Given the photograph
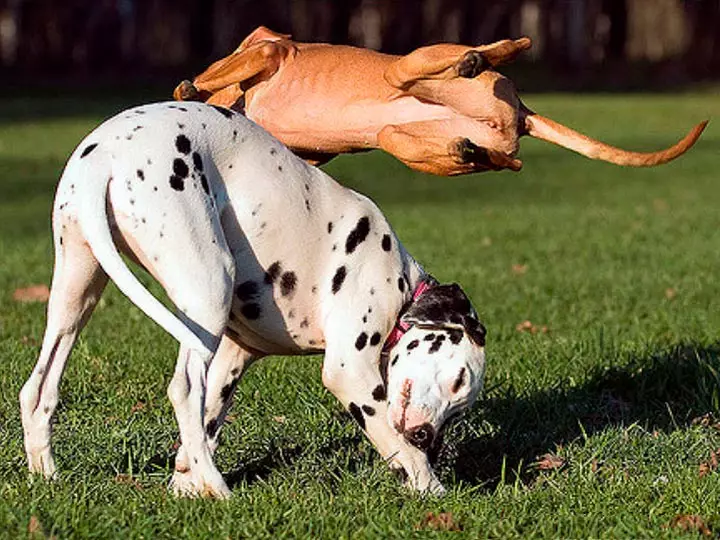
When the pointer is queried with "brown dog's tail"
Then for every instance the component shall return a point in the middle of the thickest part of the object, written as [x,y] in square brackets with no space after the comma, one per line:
[548,130]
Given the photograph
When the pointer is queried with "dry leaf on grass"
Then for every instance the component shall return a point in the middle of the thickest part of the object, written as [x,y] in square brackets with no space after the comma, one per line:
[33,293]
[444,521]
[519,269]
[486,241]
[528,326]
[279,419]
[28,340]
[706,420]
[35,527]
[128,480]
[139,406]
[550,462]
[710,465]
[660,205]
[670,293]
[691,522]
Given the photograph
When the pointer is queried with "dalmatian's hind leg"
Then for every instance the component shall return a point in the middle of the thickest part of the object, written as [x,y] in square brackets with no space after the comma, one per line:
[226,369]
[78,282]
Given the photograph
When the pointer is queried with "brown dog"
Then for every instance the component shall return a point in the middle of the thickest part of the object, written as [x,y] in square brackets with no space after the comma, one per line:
[441,109]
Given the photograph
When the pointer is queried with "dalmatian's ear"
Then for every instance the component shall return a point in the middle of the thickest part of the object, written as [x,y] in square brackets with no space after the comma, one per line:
[446,306]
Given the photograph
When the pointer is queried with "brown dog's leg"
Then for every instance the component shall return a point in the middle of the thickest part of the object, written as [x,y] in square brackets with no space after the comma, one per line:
[256,63]
[447,61]
[427,147]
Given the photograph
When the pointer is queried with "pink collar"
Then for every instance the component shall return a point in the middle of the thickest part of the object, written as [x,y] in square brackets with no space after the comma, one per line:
[401,327]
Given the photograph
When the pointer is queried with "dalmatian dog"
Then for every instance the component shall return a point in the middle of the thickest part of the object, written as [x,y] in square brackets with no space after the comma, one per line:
[261,254]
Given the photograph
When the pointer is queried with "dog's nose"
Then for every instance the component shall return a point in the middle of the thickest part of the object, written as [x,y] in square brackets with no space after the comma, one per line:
[421,436]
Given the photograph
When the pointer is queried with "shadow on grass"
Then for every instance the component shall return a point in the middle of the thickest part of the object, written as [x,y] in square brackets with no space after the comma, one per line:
[664,392]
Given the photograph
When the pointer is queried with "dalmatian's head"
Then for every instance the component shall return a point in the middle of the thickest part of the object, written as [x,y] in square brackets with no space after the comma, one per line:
[436,369]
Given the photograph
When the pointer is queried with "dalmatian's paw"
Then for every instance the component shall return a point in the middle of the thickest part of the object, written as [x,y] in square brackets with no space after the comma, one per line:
[183,485]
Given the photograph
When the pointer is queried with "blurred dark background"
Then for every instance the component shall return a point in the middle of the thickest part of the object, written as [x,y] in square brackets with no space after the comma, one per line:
[580,44]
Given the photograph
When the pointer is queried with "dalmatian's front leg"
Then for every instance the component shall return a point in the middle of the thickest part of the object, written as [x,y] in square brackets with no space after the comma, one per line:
[353,376]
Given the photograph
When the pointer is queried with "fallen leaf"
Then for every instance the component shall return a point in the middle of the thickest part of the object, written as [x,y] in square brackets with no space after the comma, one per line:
[527,326]
[670,293]
[35,527]
[33,293]
[486,241]
[710,465]
[706,420]
[550,462]
[519,269]
[660,205]
[524,326]
[691,522]
[128,480]
[27,340]
[140,405]
[279,419]
[443,521]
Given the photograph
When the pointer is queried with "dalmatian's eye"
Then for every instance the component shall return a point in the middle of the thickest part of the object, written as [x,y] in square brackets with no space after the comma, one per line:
[458,382]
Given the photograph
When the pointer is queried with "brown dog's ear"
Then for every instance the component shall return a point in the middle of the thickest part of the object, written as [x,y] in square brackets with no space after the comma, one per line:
[261,33]
[446,306]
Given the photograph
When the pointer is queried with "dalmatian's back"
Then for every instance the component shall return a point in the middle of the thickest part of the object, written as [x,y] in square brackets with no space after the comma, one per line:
[196,175]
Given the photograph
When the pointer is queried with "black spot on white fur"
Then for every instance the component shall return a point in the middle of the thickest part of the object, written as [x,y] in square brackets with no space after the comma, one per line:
[88,149]
[197,162]
[287,283]
[358,235]
[414,343]
[435,347]
[379,393]
[338,279]
[367,409]
[177,183]
[182,143]
[272,273]
[180,168]
[361,341]
[357,414]
[386,242]
[375,339]
[227,113]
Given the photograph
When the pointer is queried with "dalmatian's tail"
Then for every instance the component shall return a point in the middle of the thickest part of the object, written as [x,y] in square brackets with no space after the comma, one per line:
[95,226]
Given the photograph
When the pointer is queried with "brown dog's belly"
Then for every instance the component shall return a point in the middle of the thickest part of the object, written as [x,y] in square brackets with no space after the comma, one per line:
[345,127]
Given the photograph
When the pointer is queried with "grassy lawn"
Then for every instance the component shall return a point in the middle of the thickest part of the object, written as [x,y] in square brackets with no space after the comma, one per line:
[623,390]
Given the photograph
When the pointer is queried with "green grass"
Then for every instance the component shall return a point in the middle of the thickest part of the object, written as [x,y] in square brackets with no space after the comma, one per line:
[613,388]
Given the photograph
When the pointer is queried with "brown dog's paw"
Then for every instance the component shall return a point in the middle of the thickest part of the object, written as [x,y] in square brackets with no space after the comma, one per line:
[186,91]
[472,64]
[463,150]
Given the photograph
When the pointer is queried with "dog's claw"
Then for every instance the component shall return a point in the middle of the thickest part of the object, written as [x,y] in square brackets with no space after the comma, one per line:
[472,64]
